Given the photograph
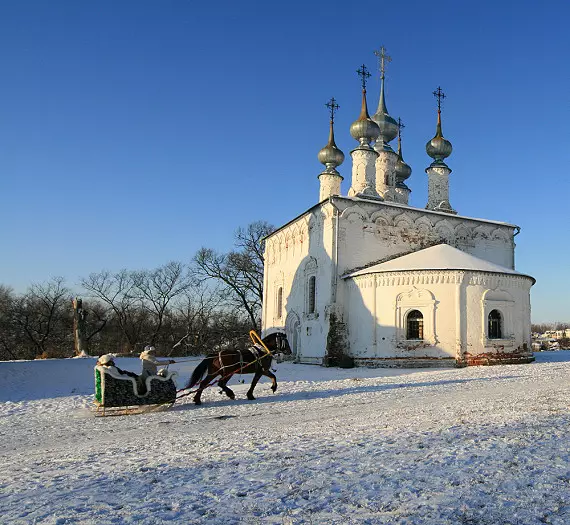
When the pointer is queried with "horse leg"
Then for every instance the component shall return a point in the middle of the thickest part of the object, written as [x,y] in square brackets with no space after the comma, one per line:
[203,384]
[271,376]
[256,377]
[222,384]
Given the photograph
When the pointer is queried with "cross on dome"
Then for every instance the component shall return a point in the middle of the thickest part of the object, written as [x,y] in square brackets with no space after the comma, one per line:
[400,127]
[333,107]
[382,59]
[440,95]
[364,75]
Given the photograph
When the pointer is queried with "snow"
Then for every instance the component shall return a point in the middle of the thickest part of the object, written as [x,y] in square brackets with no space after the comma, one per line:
[439,257]
[479,445]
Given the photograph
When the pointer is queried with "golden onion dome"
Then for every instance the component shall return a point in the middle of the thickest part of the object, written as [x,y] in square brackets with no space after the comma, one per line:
[387,125]
[439,147]
[330,155]
[365,130]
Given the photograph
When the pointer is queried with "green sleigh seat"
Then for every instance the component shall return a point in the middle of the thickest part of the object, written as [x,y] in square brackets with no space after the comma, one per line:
[113,390]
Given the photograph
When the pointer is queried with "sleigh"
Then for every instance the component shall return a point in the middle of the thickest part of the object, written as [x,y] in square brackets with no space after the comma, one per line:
[117,394]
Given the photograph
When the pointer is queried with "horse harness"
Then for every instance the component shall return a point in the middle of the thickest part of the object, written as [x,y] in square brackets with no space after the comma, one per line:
[257,351]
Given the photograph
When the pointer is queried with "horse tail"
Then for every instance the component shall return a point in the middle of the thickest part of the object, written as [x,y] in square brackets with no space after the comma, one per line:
[199,373]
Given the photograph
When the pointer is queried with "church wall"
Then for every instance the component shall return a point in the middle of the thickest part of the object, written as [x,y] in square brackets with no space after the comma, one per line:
[372,232]
[297,252]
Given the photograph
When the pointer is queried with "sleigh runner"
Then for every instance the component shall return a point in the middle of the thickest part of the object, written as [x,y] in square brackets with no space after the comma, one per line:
[119,394]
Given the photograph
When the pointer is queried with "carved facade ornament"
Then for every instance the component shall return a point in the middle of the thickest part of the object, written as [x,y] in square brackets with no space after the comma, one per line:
[424,301]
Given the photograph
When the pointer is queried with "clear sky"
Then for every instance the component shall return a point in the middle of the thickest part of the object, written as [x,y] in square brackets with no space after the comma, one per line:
[134,132]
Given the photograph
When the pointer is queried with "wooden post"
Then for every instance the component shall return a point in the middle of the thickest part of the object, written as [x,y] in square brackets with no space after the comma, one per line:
[79,316]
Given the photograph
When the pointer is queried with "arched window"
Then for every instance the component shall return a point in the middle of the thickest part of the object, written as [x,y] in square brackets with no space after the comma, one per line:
[312,294]
[280,302]
[495,325]
[415,325]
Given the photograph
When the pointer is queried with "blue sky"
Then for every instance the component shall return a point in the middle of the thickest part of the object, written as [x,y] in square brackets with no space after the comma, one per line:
[134,132]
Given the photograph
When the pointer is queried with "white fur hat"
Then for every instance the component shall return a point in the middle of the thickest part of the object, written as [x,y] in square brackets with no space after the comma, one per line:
[148,350]
[106,359]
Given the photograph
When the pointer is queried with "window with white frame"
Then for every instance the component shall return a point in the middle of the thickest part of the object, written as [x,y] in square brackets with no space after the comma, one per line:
[415,317]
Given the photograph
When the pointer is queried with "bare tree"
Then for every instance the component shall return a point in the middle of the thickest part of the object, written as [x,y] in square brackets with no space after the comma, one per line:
[42,316]
[86,326]
[118,292]
[540,328]
[156,289]
[79,323]
[189,310]
[241,271]
[250,242]
[8,334]
[197,314]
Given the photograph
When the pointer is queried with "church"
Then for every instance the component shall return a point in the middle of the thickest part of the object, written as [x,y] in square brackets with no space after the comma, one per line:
[365,277]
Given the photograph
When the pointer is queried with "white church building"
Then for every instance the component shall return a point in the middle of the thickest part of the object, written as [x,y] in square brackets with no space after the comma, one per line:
[367,276]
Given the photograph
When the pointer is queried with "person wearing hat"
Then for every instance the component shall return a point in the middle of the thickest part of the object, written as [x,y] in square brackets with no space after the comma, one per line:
[150,365]
[108,361]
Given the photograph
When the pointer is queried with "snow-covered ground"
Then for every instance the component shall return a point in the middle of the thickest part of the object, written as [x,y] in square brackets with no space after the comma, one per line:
[481,445]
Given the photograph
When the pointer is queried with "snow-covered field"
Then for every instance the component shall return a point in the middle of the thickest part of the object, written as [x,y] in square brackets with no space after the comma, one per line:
[485,445]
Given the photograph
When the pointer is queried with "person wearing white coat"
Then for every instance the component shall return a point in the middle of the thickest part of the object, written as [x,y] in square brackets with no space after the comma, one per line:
[150,364]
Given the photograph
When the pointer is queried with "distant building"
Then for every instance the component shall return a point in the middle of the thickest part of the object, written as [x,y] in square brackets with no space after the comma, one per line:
[368,276]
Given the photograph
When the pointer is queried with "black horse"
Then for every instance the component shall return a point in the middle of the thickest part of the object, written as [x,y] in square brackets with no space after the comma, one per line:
[226,363]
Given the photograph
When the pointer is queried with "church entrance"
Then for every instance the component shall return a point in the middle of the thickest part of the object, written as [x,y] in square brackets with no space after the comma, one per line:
[293,331]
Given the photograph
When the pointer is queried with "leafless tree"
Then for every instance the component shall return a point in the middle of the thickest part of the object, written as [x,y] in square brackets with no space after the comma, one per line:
[43,317]
[156,289]
[240,271]
[8,338]
[540,328]
[197,314]
[118,292]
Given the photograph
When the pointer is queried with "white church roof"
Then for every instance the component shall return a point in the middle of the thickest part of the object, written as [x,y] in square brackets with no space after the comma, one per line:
[440,257]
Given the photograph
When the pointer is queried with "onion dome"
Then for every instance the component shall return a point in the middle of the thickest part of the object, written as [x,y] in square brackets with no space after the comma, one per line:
[439,148]
[403,170]
[330,155]
[365,130]
[388,126]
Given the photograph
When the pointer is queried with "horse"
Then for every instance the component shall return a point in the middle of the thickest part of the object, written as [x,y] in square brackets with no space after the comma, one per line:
[226,363]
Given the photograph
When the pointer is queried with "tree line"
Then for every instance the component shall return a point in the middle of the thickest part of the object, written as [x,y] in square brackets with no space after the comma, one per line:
[540,328]
[180,308]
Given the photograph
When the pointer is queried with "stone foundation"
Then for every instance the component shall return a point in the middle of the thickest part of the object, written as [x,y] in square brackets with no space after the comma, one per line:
[496,358]
[405,362]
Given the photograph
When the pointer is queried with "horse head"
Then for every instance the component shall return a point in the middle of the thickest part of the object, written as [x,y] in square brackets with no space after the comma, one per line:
[277,342]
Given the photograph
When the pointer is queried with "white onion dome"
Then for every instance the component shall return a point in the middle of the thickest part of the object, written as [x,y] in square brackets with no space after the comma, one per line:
[439,148]
[388,126]
[330,155]
[365,130]
[402,169]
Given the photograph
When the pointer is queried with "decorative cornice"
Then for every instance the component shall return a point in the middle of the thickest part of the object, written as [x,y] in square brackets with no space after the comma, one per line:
[391,207]
[427,277]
